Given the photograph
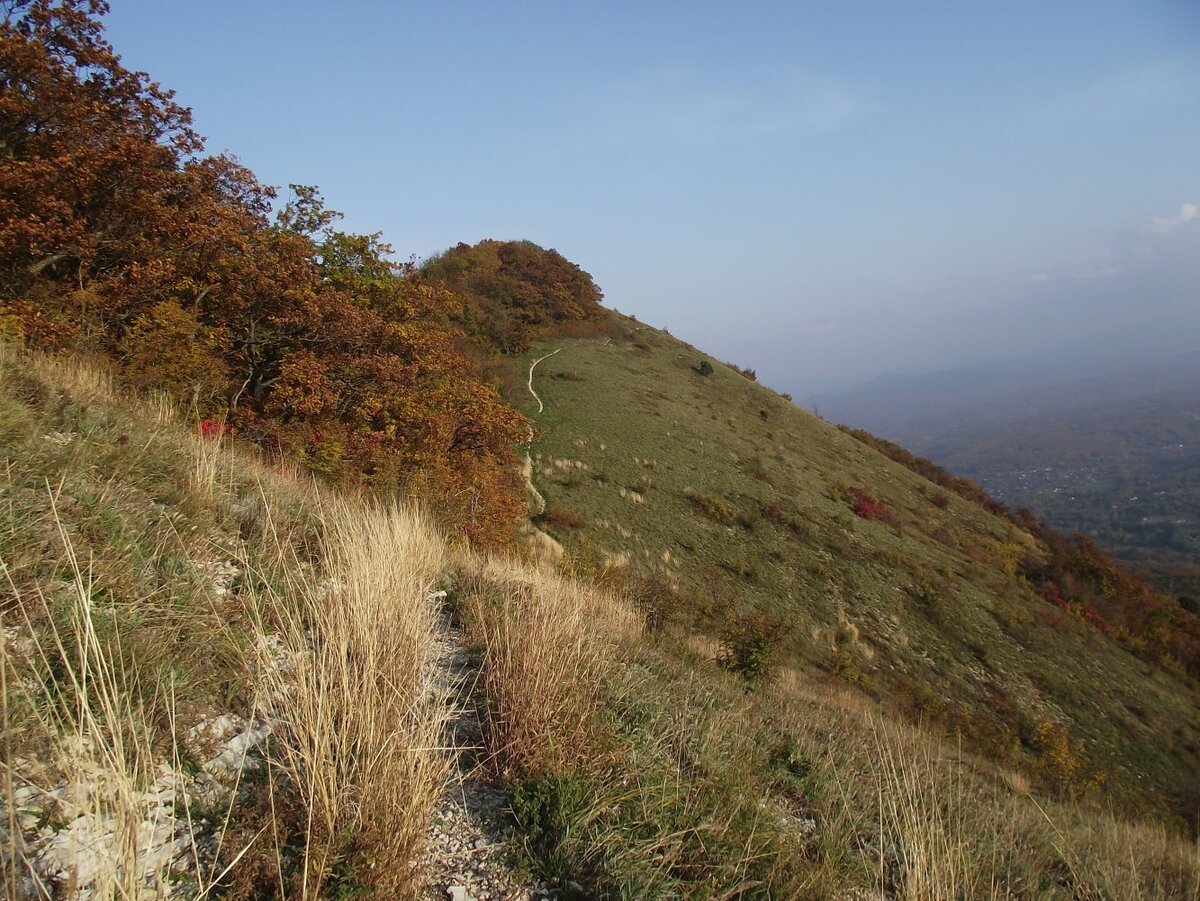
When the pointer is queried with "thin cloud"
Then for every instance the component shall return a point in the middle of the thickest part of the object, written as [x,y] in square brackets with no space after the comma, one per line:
[1166,225]
[680,108]
[1126,93]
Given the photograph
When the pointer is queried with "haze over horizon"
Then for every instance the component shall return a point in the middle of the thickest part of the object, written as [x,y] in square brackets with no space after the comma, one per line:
[822,194]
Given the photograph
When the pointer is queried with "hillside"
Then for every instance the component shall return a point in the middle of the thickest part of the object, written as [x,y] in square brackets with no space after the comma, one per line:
[742,508]
[275,623]
[200,700]
[1112,455]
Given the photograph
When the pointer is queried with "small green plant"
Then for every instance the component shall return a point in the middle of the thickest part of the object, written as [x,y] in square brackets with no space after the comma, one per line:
[751,647]
[704,367]
[715,508]
[550,810]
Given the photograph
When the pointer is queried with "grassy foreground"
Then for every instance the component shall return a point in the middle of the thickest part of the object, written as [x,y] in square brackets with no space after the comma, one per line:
[213,671]
[215,684]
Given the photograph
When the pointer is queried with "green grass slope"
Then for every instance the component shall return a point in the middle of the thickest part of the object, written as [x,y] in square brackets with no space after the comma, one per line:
[221,658]
[737,510]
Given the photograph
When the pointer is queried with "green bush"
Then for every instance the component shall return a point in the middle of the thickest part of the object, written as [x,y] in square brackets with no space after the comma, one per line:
[715,508]
[751,646]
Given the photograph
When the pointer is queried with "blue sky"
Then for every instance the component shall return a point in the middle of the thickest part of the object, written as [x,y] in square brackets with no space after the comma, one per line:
[821,191]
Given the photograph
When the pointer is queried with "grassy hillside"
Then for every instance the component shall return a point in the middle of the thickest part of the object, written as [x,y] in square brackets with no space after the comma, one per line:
[212,671]
[769,531]
[221,681]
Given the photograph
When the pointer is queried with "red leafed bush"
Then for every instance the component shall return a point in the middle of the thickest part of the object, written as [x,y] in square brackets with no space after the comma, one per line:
[869,507]
[210,428]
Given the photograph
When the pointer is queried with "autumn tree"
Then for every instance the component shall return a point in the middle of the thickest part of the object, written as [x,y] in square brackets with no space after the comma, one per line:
[89,157]
[118,235]
[515,290]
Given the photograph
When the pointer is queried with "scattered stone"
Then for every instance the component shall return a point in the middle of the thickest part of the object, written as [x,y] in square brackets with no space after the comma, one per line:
[76,832]
[62,439]
[467,847]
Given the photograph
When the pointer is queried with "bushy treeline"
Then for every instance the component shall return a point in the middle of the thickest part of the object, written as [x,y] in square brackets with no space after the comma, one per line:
[1078,577]
[927,469]
[120,237]
[514,291]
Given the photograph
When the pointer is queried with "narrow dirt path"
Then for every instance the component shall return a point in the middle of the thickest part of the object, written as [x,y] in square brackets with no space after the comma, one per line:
[471,833]
[532,366]
[546,548]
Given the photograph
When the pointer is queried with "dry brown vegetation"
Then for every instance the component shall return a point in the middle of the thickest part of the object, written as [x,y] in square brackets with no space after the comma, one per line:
[547,641]
[344,665]
[131,627]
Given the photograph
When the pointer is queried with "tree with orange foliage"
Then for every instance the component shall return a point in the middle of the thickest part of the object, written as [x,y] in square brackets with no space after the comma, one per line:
[89,156]
[116,235]
[515,290]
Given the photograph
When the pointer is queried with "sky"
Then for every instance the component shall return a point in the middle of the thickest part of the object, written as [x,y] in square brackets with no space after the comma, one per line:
[821,191]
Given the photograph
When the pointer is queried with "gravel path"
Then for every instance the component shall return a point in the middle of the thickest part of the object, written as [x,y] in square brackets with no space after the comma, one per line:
[471,836]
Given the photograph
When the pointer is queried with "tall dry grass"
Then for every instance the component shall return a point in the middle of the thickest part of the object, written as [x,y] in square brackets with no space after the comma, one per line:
[928,845]
[330,618]
[1109,857]
[934,822]
[68,700]
[345,659]
[547,640]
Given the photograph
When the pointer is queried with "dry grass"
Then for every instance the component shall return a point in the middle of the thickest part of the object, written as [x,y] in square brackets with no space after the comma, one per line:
[547,641]
[215,467]
[655,760]
[934,822]
[98,771]
[324,630]
[928,846]
[345,666]
[1109,857]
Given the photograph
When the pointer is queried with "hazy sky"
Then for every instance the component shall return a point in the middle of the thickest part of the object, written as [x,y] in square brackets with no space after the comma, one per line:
[822,191]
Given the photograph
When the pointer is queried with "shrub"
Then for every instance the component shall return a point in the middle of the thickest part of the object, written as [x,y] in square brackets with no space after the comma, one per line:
[704,367]
[868,507]
[741,565]
[557,516]
[715,508]
[750,646]
[942,536]
[652,596]
[1062,762]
